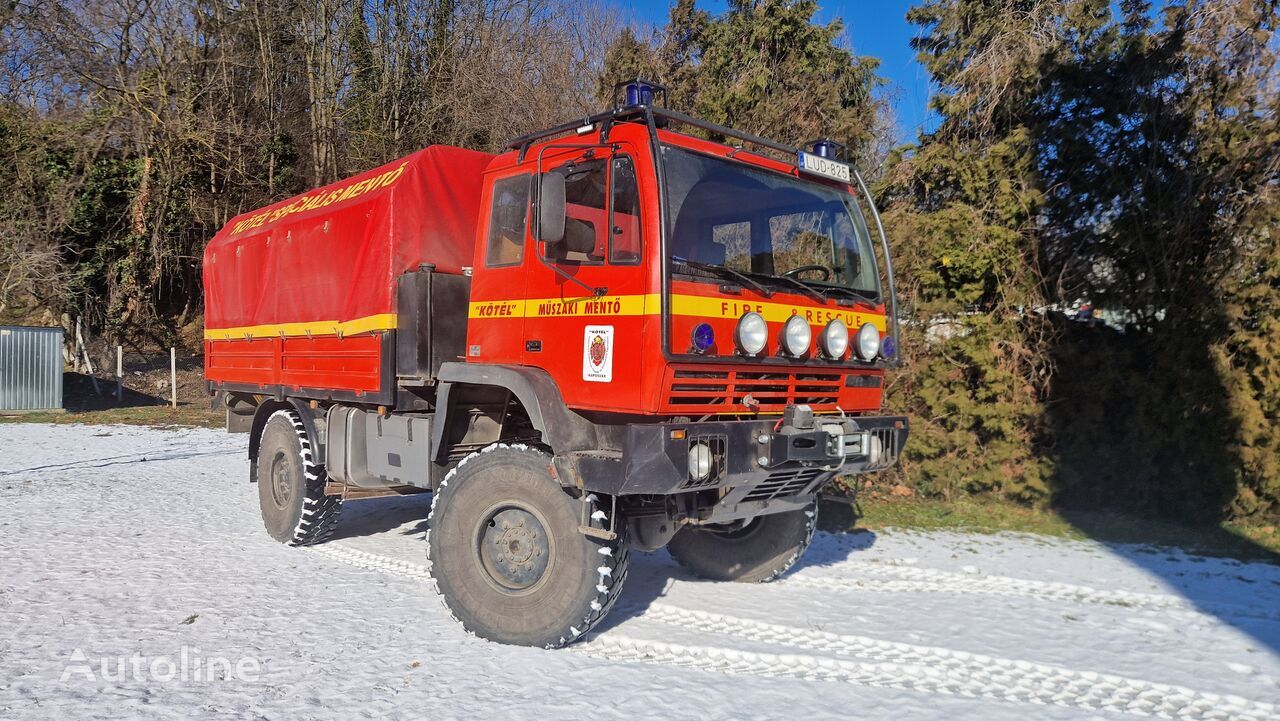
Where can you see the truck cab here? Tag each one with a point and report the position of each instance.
(670, 333)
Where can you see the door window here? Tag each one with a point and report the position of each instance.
(624, 243)
(585, 222)
(507, 222)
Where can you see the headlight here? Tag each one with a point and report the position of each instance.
(835, 339)
(752, 333)
(699, 461)
(797, 335)
(868, 342)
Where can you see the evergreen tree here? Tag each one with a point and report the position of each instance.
(962, 208)
(764, 67)
(1159, 139)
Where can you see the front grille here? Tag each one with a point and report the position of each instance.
(784, 483)
(696, 390)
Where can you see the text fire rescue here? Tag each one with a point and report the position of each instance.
(818, 316)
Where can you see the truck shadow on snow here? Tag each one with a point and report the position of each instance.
(1237, 593)
(374, 516)
(650, 573)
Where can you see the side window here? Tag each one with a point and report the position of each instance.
(624, 238)
(586, 221)
(507, 221)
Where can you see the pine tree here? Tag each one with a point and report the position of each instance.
(962, 208)
(764, 67)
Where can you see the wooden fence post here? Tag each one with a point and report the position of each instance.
(173, 374)
(84, 351)
(119, 373)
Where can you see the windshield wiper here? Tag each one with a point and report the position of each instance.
(798, 284)
(725, 271)
(864, 299)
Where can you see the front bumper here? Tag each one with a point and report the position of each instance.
(756, 460)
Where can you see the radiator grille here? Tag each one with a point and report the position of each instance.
(784, 483)
(696, 390)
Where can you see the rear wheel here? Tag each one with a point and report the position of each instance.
(507, 554)
(759, 550)
(295, 509)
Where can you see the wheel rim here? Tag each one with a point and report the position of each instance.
(514, 548)
(280, 481)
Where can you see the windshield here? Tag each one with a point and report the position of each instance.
(769, 227)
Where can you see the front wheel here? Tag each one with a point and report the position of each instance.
(759, 550)
(507, 554)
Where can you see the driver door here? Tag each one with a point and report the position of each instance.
(586, 307)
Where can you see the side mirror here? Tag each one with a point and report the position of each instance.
(550, 208)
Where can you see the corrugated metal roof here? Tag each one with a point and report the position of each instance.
(30, 368)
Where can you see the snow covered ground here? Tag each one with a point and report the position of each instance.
(134, 572)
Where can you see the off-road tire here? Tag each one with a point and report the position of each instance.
(759, 552)
(295, 509)
(473, 521)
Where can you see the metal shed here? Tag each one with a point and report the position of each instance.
(30, 368)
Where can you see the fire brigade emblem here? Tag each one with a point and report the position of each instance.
(598, 351)
(597, 355)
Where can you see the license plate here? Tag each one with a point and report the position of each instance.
(826, 167)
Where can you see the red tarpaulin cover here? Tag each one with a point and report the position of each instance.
(333, 254)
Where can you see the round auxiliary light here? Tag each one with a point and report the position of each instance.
(888, 347)
(703, 337)
(699, 461)
(796, 336)
(835, 339)
(752, 333)
(868, 342)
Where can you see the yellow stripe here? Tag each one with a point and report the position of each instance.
(557, 307)
(705, 307)
(616, 305)
(368, 324)
(651, 304)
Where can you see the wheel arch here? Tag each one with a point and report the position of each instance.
(264, 412)
(561, 429)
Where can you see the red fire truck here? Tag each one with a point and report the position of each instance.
(614, 336)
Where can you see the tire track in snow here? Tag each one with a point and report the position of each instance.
(910, 579)
(374, 562)
(1154, 701)
(972, 674)
(888, 664)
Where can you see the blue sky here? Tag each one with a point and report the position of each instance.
(875, 27)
